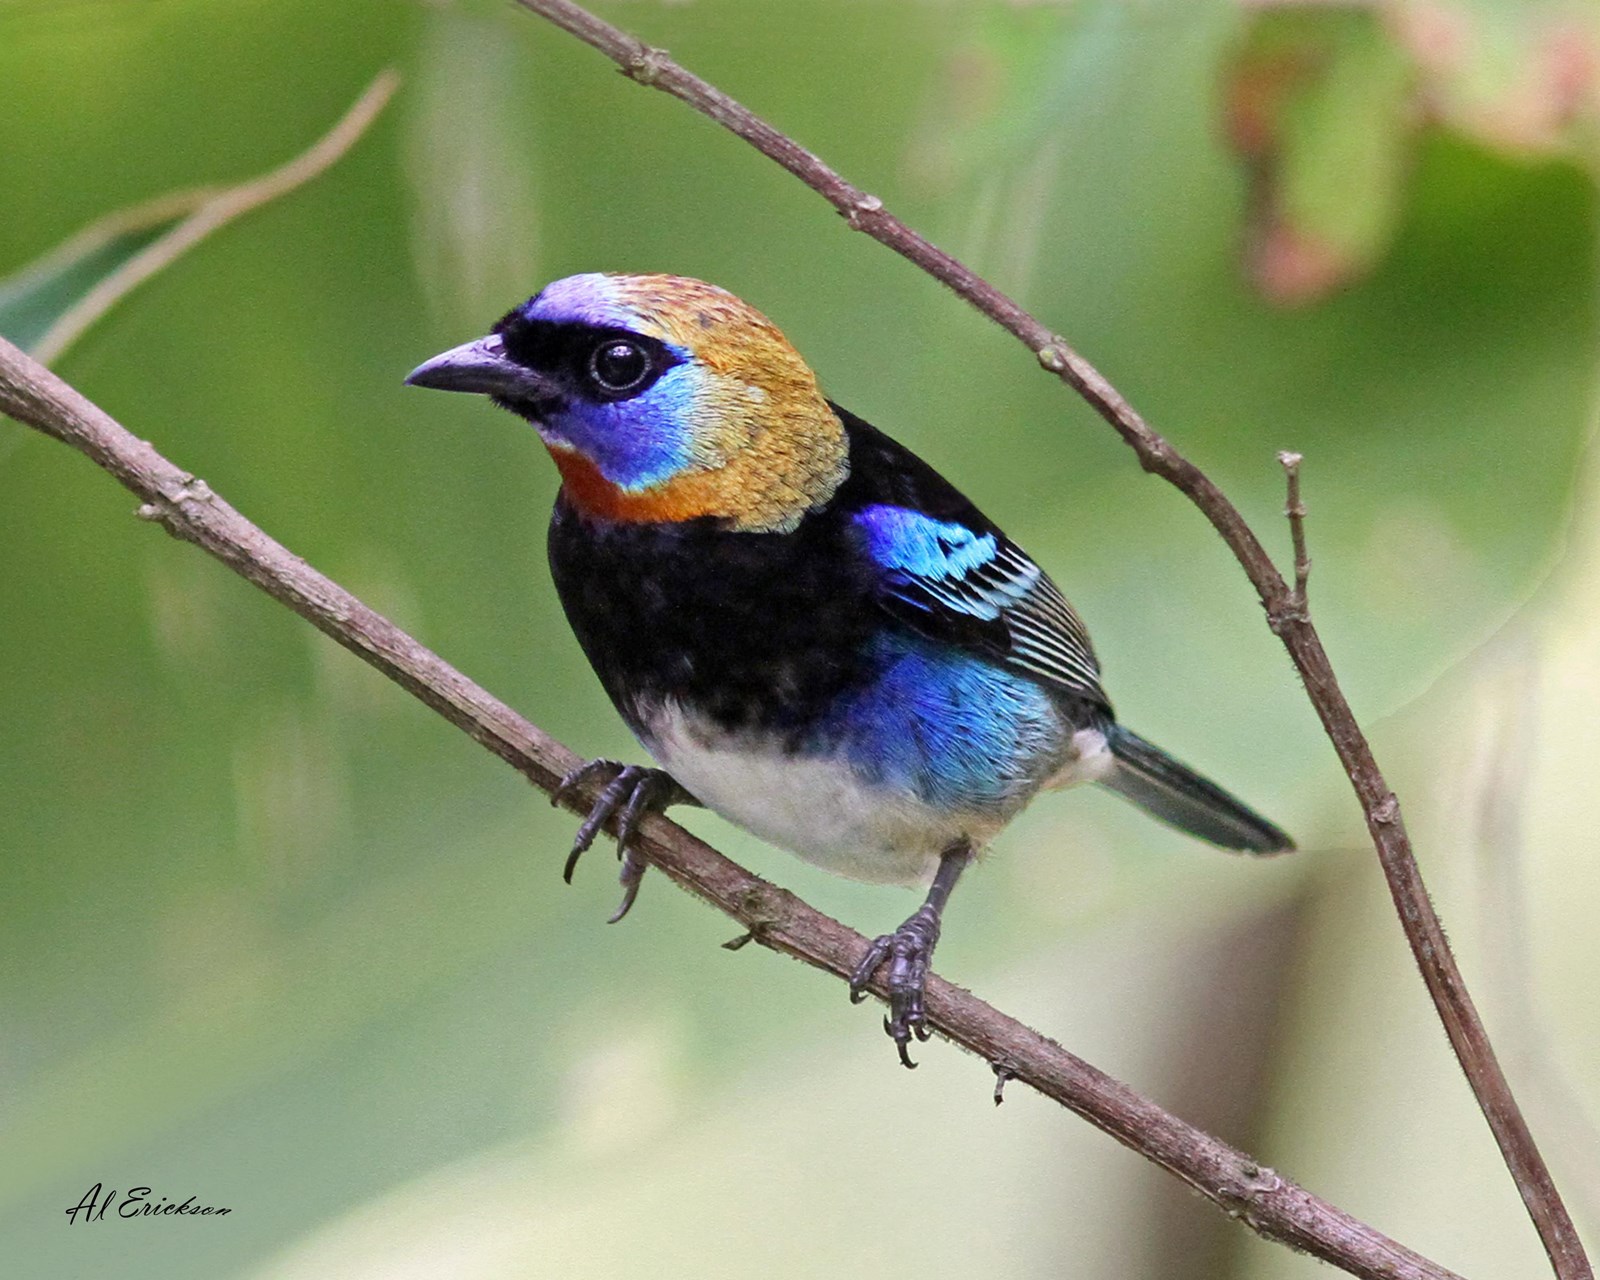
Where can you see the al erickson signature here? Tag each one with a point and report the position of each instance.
(137, 1202)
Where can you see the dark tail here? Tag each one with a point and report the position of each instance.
(1176, 794)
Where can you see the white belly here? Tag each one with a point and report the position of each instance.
(820, 808)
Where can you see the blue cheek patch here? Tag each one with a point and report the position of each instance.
(957, 732)
(645, 441)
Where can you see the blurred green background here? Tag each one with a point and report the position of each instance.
(273, 935)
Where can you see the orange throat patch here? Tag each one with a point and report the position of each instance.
(756, 490)
(591, 494)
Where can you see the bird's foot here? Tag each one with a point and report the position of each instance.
(631, 792)
(909, 951)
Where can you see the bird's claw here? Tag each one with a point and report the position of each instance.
(909, 951)
(631, 792)
(575, 778)
(633, 868)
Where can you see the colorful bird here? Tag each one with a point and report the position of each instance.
(812, 632)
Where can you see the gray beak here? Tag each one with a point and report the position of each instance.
(484, 367)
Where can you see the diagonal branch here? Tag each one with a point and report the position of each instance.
(1286, 613)
(1272, 1205)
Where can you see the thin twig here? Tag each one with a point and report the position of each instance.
(1429, 946)
(1295, 509)
(1272, 1205)
(207, 211)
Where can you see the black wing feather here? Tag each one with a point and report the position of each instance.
(950, 573)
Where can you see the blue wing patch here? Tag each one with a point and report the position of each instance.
(937, 554)
(982, 592)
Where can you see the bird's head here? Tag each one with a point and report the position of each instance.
(660, 399)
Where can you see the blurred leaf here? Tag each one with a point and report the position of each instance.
(35, 298)
(1325, 104)
(49, 304)
(1319, 104)
(1522, 78)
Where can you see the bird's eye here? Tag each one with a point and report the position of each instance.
(618, 366)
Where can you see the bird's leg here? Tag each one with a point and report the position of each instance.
(909, 950)
(633, 791)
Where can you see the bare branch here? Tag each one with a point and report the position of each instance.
(1272, 1205)
(1429, 946)
(206, 210)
